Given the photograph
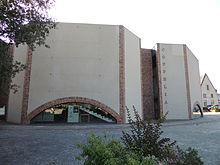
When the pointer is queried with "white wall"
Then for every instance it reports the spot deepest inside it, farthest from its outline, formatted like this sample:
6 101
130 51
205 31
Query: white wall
82 61
194 79
15 100
132 72
218 95
173 79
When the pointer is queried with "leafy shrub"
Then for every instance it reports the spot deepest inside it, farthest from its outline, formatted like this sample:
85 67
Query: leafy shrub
188 157
145 138
143 145
101 150
205 109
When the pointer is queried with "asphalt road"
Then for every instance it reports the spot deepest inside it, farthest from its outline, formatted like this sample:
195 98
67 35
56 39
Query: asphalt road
54 144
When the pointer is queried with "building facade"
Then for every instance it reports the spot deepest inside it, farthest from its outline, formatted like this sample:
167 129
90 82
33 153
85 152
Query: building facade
218 98
90 64
176 82
91 73
209 93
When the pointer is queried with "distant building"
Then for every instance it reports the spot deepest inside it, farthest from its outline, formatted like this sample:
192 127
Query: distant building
91 73
209 93
218 99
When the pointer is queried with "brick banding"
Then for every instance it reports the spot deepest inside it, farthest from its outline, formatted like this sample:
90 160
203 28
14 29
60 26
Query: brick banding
104 107
147 84
122 72
26 86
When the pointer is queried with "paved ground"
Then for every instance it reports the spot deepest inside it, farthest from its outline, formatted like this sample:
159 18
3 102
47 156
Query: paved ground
54 145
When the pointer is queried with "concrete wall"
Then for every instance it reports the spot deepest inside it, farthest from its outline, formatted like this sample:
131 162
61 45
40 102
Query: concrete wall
15 99
208 99
194 79
132 72
82 61
173 81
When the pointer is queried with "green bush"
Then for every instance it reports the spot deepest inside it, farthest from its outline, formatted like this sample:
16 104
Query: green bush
143 145
101 150
145 138
205 109
188 157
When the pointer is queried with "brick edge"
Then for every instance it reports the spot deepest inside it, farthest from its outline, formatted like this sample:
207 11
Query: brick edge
147 84
26 87
122 72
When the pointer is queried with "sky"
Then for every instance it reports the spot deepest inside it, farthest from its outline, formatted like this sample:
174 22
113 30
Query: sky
195 23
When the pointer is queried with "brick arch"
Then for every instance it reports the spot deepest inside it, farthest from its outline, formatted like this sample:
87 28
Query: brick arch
104 107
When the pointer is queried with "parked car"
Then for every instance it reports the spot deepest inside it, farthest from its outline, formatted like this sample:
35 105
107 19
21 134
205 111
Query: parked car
209 107
215 107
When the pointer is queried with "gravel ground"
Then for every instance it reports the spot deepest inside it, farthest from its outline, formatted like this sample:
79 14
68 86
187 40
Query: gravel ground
54 144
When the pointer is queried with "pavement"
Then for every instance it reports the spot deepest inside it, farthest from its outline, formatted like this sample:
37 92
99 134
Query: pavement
55 144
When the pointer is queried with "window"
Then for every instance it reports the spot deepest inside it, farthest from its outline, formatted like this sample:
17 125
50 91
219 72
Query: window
205 104
207 87
211 95
204 95
212 102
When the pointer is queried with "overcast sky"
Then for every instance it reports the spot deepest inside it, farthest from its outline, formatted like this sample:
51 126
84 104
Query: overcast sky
192 22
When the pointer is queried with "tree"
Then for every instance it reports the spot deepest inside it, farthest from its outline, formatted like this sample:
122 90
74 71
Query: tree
21 22
8 69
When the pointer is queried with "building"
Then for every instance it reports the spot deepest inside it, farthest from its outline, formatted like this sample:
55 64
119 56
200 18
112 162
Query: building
218 98
209 93
176 81
90 64
91 73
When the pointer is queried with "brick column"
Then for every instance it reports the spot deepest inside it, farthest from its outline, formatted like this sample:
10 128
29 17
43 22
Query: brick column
147 84
122 72
26 87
